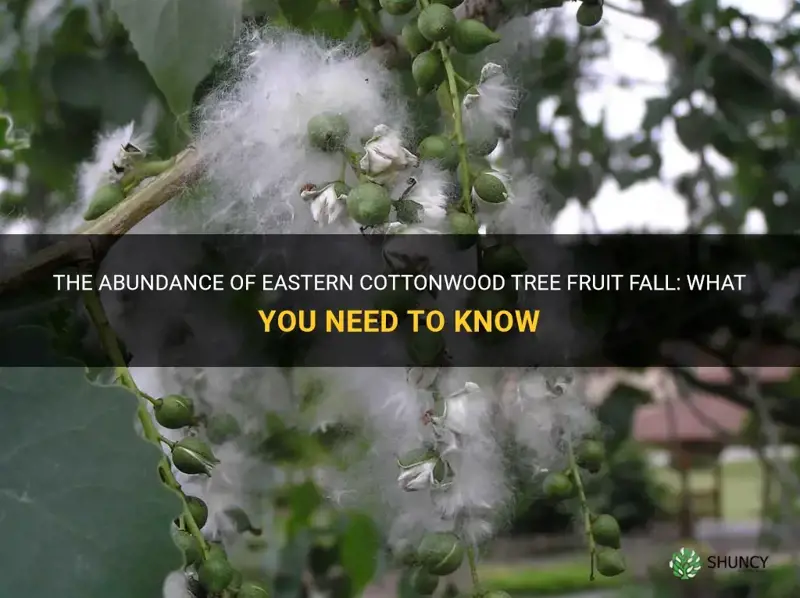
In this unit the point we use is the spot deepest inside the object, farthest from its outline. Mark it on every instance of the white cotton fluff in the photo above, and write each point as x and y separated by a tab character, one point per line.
431	191
253	133
493	103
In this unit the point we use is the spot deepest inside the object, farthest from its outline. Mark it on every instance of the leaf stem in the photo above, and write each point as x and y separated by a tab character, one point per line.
473	568
108	338
452	84
587	522
370	22
166	441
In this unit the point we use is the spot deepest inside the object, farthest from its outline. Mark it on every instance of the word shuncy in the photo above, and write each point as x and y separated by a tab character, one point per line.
376	320
737	562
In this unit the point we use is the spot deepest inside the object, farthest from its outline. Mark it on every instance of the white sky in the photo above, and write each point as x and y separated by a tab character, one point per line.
654	204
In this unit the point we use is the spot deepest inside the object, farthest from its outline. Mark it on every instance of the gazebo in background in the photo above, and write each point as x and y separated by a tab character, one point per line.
693	441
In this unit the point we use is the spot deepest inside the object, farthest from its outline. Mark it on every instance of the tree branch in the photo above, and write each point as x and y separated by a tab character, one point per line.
81	247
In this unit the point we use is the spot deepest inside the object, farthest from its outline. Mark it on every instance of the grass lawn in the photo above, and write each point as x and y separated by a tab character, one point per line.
741	488
552	579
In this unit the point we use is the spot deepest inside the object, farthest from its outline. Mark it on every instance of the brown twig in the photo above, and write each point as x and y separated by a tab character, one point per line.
106	230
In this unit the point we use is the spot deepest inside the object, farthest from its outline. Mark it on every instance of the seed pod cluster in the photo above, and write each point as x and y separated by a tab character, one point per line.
434	33
438	554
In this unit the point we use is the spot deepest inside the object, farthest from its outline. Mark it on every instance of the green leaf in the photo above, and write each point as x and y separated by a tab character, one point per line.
179	41
298	12
359	553
78	480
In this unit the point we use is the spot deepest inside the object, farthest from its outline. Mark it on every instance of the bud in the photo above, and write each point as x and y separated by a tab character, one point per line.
470	36
215	574
441	553
440	149
606	532
610	562
590	455
423	582
489	188
252	590
222	427
174	412
189	546
105	198
398	7
412	39
328	131
193	456
589	13
558	486
428	70
369	204
436	22
198	509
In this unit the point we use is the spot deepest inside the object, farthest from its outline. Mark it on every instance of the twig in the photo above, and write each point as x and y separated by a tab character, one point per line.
105	231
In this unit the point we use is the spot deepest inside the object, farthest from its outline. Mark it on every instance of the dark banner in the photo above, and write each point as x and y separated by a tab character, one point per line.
405	300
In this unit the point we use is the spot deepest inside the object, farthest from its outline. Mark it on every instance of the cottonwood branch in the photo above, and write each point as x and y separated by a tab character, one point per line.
91	242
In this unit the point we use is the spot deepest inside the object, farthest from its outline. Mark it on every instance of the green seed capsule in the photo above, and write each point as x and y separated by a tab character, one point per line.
398	7
503	259
606	532
440	149
369	204
222	427
193	456
426	348
105	198
436	22
441	553
557	486
490	188
450	3
483	142
590	455
470	36
398	300
406	554
610	562
328	132
215	574
252	590
413	40
589	14
199	510
423	582
428	70
174	412
236	583
189	546
462	224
